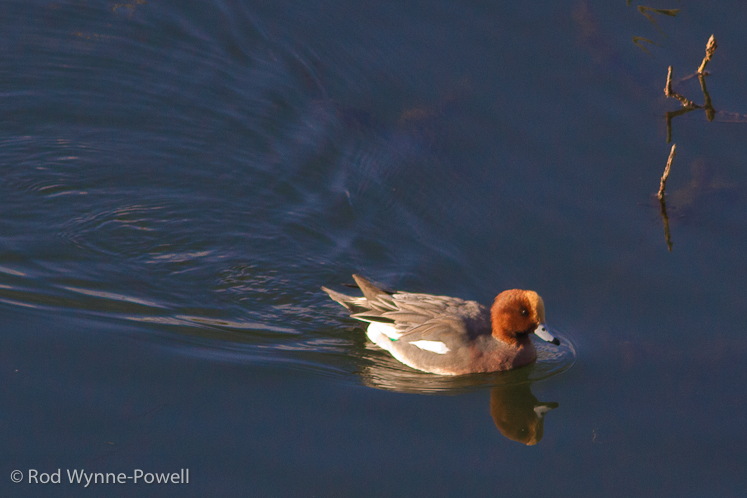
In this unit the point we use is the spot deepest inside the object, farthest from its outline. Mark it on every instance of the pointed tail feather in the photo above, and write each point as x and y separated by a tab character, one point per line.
375	300
369	290
341	298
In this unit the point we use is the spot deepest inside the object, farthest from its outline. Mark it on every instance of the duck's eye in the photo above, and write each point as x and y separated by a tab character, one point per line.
524	312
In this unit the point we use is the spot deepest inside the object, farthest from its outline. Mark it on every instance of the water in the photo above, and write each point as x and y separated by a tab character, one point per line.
180	178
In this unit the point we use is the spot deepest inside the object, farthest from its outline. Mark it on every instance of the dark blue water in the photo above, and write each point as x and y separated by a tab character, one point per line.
178	179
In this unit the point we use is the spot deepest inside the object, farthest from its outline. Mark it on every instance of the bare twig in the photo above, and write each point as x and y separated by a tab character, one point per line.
665	176
669	92
668	89
687	106
710	49
660	195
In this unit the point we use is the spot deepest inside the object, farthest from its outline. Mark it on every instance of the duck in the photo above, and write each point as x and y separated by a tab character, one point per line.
448	335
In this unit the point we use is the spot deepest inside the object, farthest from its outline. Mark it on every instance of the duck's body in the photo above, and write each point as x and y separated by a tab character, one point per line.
448	335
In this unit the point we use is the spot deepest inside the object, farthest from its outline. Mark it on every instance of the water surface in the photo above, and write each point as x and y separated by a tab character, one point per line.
178	179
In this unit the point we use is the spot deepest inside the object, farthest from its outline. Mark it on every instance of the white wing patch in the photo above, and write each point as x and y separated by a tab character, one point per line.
432	346
383	328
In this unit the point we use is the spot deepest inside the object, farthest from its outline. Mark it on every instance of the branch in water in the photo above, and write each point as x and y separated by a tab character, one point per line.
669	92
710	49
660	195
665	176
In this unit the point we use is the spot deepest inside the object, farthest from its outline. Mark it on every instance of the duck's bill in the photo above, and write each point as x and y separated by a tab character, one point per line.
543	334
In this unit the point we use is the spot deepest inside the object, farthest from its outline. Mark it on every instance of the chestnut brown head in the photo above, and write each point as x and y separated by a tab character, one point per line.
516	314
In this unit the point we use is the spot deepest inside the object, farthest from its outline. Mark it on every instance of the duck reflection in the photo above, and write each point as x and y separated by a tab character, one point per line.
516	412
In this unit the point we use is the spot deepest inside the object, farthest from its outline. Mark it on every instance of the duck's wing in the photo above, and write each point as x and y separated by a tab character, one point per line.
427	317
430	333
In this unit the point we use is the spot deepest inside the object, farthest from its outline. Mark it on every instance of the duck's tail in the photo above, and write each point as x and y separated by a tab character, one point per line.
349	302
374	297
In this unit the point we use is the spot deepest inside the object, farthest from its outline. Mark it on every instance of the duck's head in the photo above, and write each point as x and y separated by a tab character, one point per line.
516	314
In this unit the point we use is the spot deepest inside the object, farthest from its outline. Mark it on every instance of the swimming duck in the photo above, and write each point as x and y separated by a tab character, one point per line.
447	335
